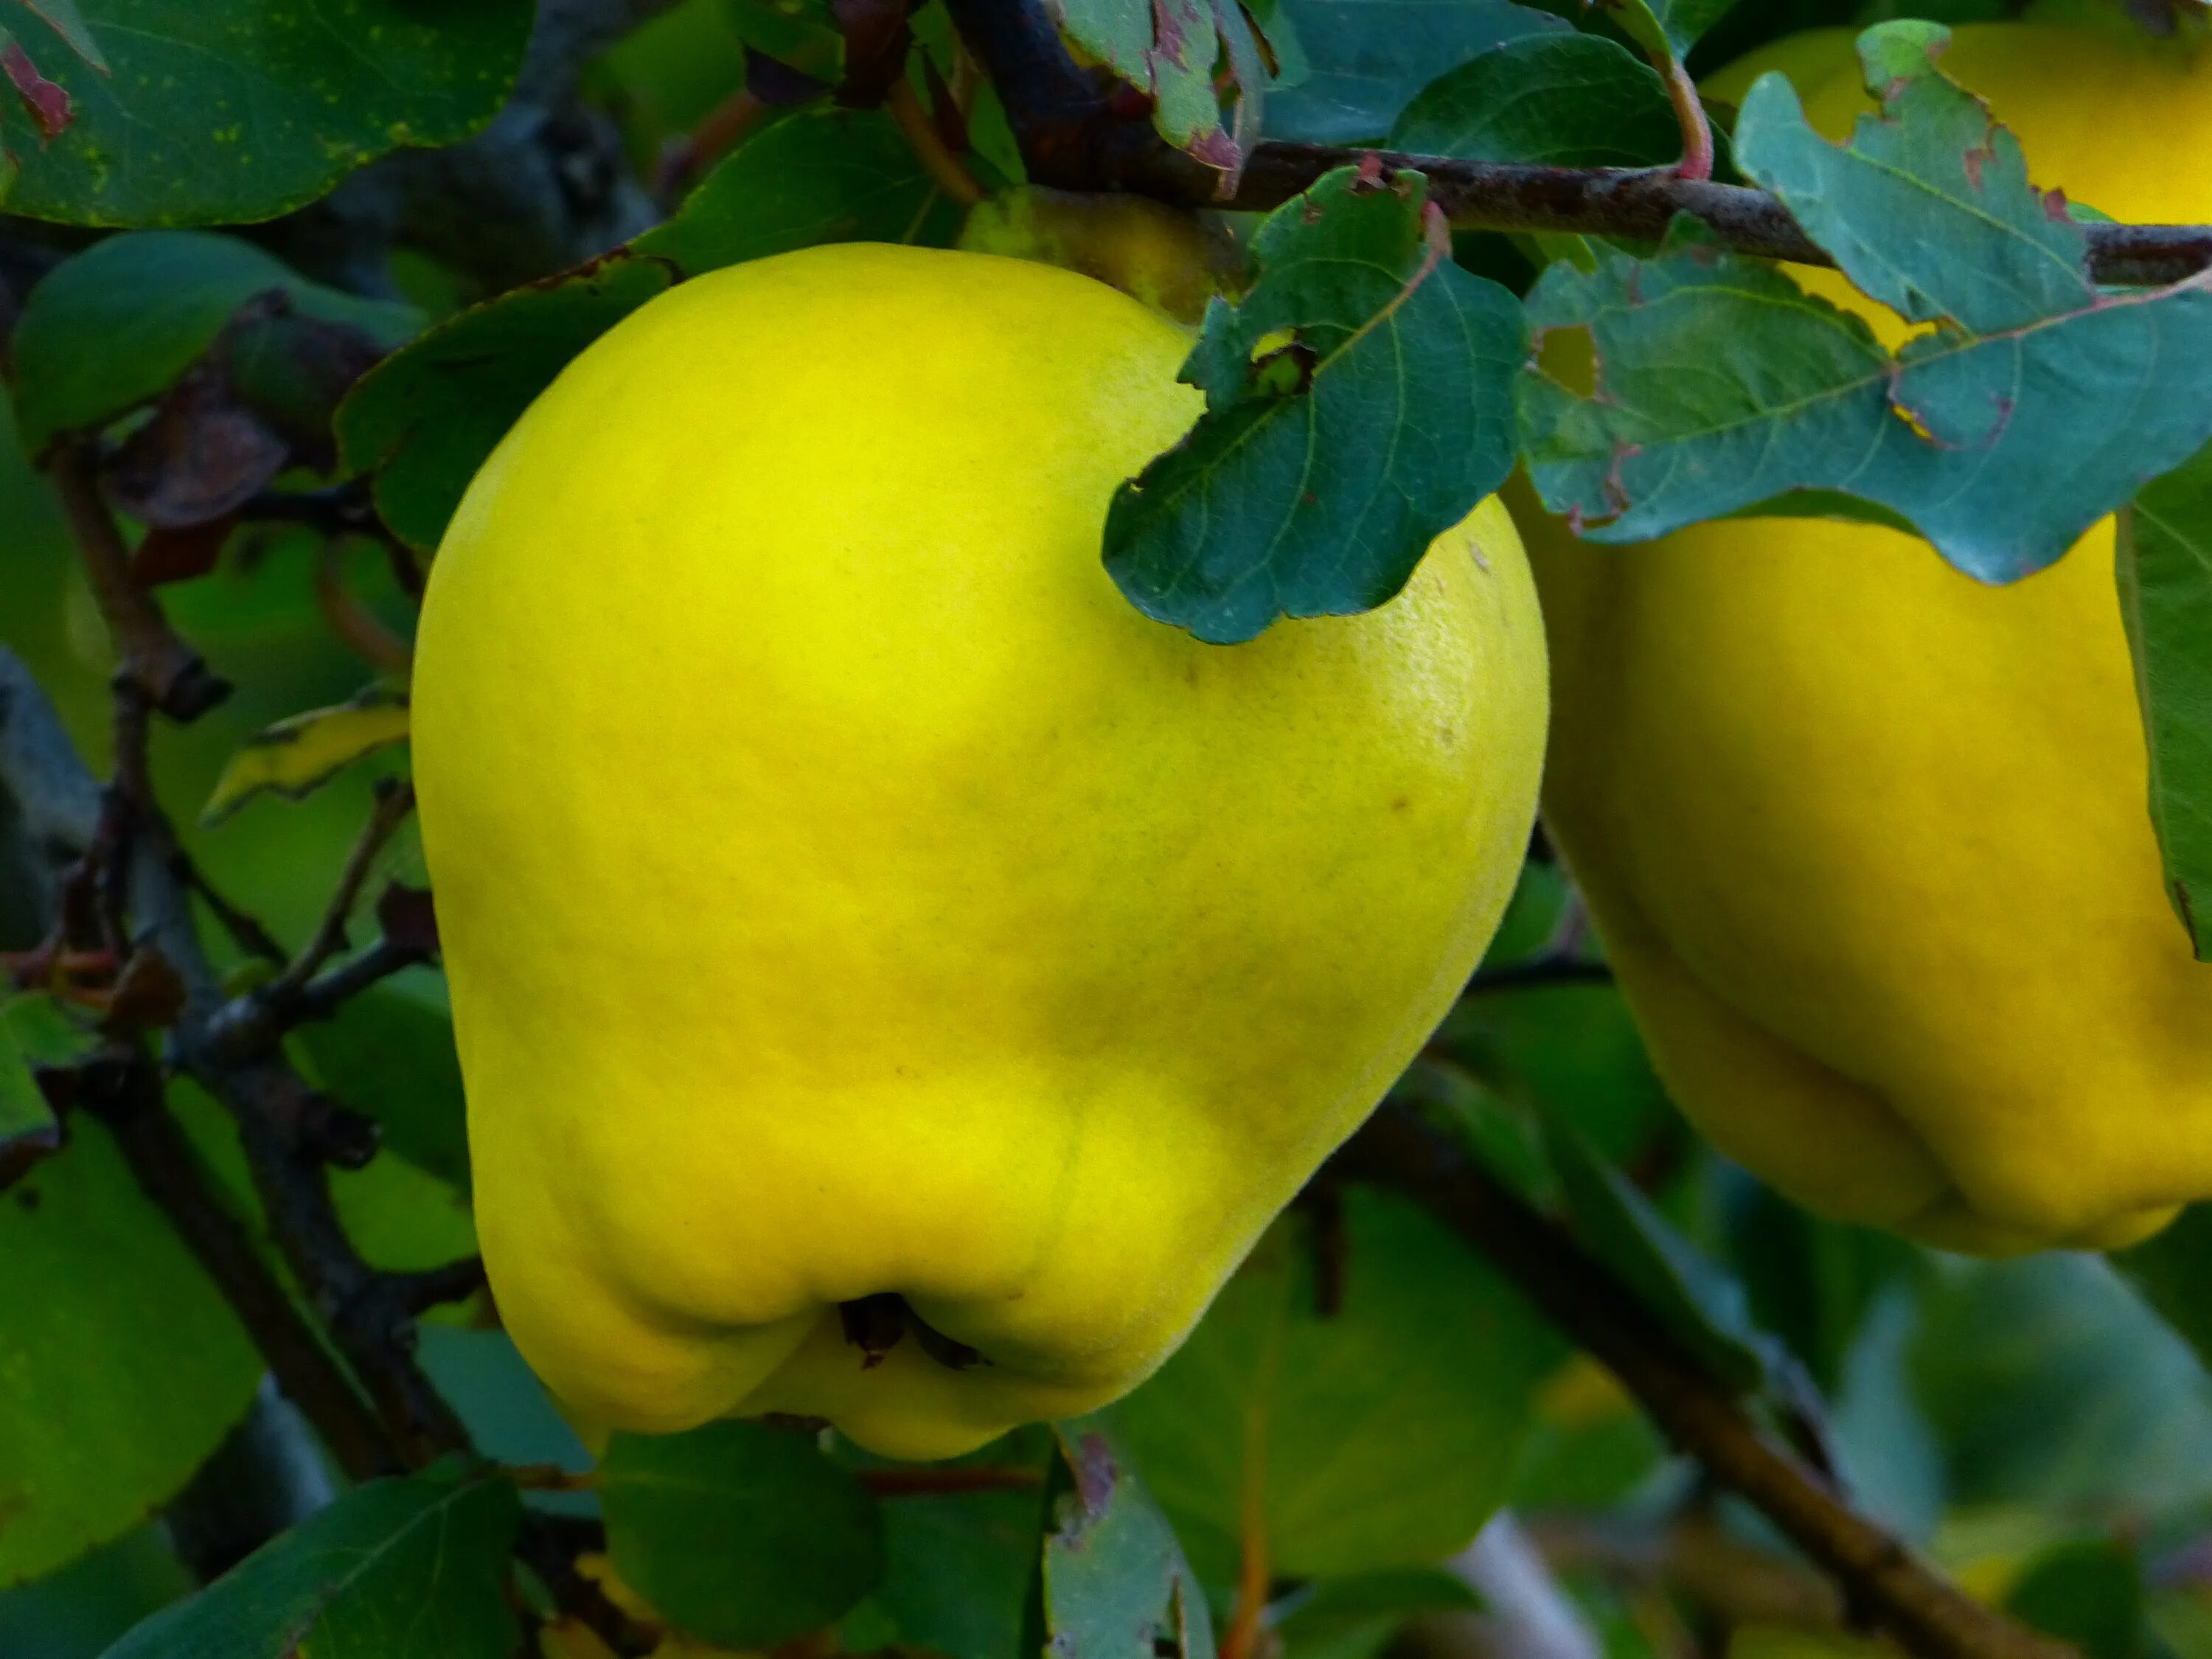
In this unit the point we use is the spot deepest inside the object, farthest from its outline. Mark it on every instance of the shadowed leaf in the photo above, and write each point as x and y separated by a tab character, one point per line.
416	1567
2165	599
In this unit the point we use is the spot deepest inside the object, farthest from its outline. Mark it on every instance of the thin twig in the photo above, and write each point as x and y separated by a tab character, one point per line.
1929	1615
394	800
170	673
1697	126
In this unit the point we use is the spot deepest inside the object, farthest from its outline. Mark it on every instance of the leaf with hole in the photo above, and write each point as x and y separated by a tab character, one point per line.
1321	469
1720	386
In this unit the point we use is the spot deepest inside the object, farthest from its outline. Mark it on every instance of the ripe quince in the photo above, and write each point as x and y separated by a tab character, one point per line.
895	980
1867	841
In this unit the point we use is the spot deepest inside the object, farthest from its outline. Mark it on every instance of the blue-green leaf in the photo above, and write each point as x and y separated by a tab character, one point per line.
1116	1585
1928	208
1720	386
1321	471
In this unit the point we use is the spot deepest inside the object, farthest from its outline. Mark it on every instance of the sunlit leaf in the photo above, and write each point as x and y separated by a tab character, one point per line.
296	756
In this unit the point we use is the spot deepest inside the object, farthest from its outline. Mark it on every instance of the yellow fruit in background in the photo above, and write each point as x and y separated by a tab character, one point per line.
848	894
1867	842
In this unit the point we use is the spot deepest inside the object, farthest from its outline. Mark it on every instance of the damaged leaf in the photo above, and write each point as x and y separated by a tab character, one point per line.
46	104
1720	386
1168	49
1323	469
1116	1585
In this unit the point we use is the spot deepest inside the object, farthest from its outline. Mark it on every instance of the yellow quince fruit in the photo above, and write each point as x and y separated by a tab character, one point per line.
863	924
1867	841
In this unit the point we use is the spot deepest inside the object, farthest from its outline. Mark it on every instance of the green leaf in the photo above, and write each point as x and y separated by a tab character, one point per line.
389	1052
1375	1436
1570	101
124	1367
114	326
958	1565
795	1540
1706	1310
413	1566
1116	1585
1666	26
2173	1268
1721	384
425	419
1320	473
2005	1351
33	1032
2088	1592
214	114
2165	566
1370	56
1355	1618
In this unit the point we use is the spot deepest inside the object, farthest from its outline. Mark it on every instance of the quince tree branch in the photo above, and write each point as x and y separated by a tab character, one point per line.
1076	133
1927	1613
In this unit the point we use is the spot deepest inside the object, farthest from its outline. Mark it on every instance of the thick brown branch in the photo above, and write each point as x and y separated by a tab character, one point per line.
126	1095
1927	1613
1639	203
